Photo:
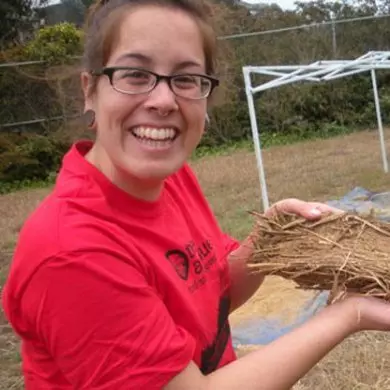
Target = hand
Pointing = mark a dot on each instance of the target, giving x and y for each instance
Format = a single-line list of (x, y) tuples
[(308, 210), (366, 313)]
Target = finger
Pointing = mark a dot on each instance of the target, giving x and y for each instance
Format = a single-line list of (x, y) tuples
[(307, 210), (324, 208), (294, 206)]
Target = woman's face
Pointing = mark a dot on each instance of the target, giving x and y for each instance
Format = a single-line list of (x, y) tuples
[(149, 136)]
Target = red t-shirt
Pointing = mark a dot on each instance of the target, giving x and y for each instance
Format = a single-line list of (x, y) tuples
[(111, 292)]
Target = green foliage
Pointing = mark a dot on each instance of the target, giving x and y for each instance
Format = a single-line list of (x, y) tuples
[(229, 124), (286, 114), (35, 92), (6, 187), (13, 17), (55, 44), (269, 139), (29, 158)]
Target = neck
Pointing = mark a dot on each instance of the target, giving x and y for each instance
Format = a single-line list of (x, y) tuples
[(148, 190)]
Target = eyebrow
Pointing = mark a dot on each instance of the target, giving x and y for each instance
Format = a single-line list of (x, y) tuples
[(147, 60)]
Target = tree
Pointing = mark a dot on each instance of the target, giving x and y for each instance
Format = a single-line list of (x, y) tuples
[(87, 3), (75, 10), (16, 16), (72, 11)]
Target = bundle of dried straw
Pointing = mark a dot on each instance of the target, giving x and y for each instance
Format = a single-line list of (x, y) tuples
[(340, 253)]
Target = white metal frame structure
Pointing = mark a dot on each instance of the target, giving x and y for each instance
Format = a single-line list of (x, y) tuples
[(316, 72)]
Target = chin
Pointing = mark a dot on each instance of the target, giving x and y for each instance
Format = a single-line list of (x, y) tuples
[(156, 171)]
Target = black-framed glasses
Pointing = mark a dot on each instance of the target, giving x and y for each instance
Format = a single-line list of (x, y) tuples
[(134, 81)]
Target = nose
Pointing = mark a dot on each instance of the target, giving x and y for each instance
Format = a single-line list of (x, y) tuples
[(162, 98)]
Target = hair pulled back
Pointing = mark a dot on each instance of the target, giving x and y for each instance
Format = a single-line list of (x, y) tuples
[(105, 16)]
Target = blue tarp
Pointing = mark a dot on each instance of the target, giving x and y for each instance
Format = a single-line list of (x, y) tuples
[(264, 330)]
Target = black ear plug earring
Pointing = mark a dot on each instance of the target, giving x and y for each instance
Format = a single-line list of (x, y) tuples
[(90, 116)]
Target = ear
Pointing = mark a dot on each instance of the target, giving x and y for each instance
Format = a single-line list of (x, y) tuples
[(87, 87)]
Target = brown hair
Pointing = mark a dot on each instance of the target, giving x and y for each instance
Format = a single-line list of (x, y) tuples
[(105, 15)]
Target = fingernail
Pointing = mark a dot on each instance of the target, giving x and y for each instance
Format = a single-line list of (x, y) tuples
[(315, 212)]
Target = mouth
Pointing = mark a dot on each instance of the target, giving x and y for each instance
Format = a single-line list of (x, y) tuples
[(158, 138)]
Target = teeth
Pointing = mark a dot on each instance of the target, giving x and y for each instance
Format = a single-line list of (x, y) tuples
[(154, 134)]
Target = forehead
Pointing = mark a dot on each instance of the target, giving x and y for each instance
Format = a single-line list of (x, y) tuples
[(161, 34)]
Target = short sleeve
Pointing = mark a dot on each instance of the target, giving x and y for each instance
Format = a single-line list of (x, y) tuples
[(104, 325), (230, 244)]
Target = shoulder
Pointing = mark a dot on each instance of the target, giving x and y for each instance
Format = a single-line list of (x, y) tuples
[(69, 225), (61, 231), (186, 182), (184, 175), (42, 264)]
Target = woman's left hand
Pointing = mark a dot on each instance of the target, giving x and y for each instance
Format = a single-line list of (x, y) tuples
[(244, 284), (307, 210)]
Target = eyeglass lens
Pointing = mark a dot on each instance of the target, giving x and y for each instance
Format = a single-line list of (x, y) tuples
[(136, 81)]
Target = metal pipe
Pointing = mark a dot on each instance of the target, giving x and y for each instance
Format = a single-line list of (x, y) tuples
[(256, 139), (379, 119)]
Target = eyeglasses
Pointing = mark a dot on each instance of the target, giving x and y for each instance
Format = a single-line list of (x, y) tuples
[(134, 81)]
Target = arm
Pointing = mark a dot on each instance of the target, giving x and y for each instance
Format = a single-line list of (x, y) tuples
[(297, 352), (243, 284), (107, 329)]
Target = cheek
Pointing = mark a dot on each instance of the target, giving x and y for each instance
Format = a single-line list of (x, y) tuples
[(112, 107), (114, 110), (196, 116)]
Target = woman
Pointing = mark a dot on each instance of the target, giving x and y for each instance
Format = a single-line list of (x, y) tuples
[(122, 278)]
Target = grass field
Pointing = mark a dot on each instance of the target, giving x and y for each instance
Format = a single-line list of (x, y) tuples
[(315, 170)]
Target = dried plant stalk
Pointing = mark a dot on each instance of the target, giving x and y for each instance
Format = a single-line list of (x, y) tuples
[(340, 253)]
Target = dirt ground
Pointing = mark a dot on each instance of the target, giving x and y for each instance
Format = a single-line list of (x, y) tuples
[(315, 170)]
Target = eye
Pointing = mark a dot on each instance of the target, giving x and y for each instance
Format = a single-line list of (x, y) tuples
[(133, 76), (187, 81)]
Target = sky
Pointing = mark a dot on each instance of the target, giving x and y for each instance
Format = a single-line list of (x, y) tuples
[(285, 4)]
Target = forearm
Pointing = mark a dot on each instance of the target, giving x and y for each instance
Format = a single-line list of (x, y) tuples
[(279, 365), (243, 283)]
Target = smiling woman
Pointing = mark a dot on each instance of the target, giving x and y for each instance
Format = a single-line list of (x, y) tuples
[(126, 65), (122, 277)]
